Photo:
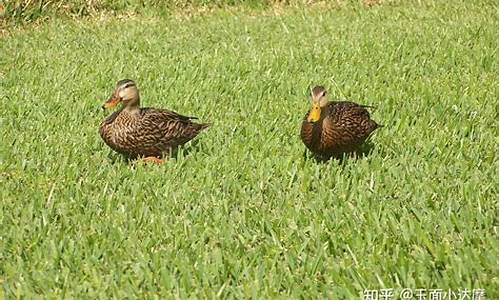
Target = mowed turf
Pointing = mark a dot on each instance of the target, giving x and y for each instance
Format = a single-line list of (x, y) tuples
[(240, 212)]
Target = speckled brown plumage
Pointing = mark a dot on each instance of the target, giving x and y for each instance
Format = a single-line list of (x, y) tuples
[(342, 127), (145, 132)]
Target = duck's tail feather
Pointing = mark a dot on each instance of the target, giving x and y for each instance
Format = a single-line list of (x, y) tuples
[(204, 125)]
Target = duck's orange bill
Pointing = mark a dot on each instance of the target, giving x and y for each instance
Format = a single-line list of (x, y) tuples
[(111, 102)]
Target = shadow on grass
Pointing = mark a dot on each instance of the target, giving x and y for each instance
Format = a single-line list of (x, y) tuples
[(175, 153), (365, 150)]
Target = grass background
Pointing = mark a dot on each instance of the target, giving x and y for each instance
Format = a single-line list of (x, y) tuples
[(240, 212)]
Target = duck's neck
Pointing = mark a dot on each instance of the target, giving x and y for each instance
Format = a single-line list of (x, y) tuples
[(132, 108)]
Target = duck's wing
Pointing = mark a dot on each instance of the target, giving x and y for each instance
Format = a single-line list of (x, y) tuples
[(348, 123), (165, 128)]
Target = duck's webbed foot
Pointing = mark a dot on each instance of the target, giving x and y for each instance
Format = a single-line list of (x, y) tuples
[(153, 159)]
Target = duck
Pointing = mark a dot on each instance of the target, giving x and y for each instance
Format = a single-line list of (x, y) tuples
[(146, 133), (332, 129)]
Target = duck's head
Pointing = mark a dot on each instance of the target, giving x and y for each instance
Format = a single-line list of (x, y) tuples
[(318, 100), (125, 91)]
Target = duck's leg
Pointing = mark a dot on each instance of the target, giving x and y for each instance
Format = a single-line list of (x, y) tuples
[(153, 159)]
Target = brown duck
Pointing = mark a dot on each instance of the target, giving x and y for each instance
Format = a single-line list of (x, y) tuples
[(332, 129), (147, 133)]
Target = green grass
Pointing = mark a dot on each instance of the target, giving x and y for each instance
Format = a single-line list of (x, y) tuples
[(15, 12), (240, 213)]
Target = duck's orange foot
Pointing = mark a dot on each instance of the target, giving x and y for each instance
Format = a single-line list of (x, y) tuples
[(153, 159)]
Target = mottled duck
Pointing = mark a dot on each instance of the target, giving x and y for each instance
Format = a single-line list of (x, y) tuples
[(334, 128), (147, 133)]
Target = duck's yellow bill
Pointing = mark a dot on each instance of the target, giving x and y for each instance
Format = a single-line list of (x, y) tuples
[(314, 112), (111, 102)]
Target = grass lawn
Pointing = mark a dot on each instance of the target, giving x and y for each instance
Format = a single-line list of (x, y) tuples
[(239, 212)]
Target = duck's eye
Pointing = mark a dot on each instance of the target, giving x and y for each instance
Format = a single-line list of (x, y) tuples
[(324, 94), (128, 85)]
